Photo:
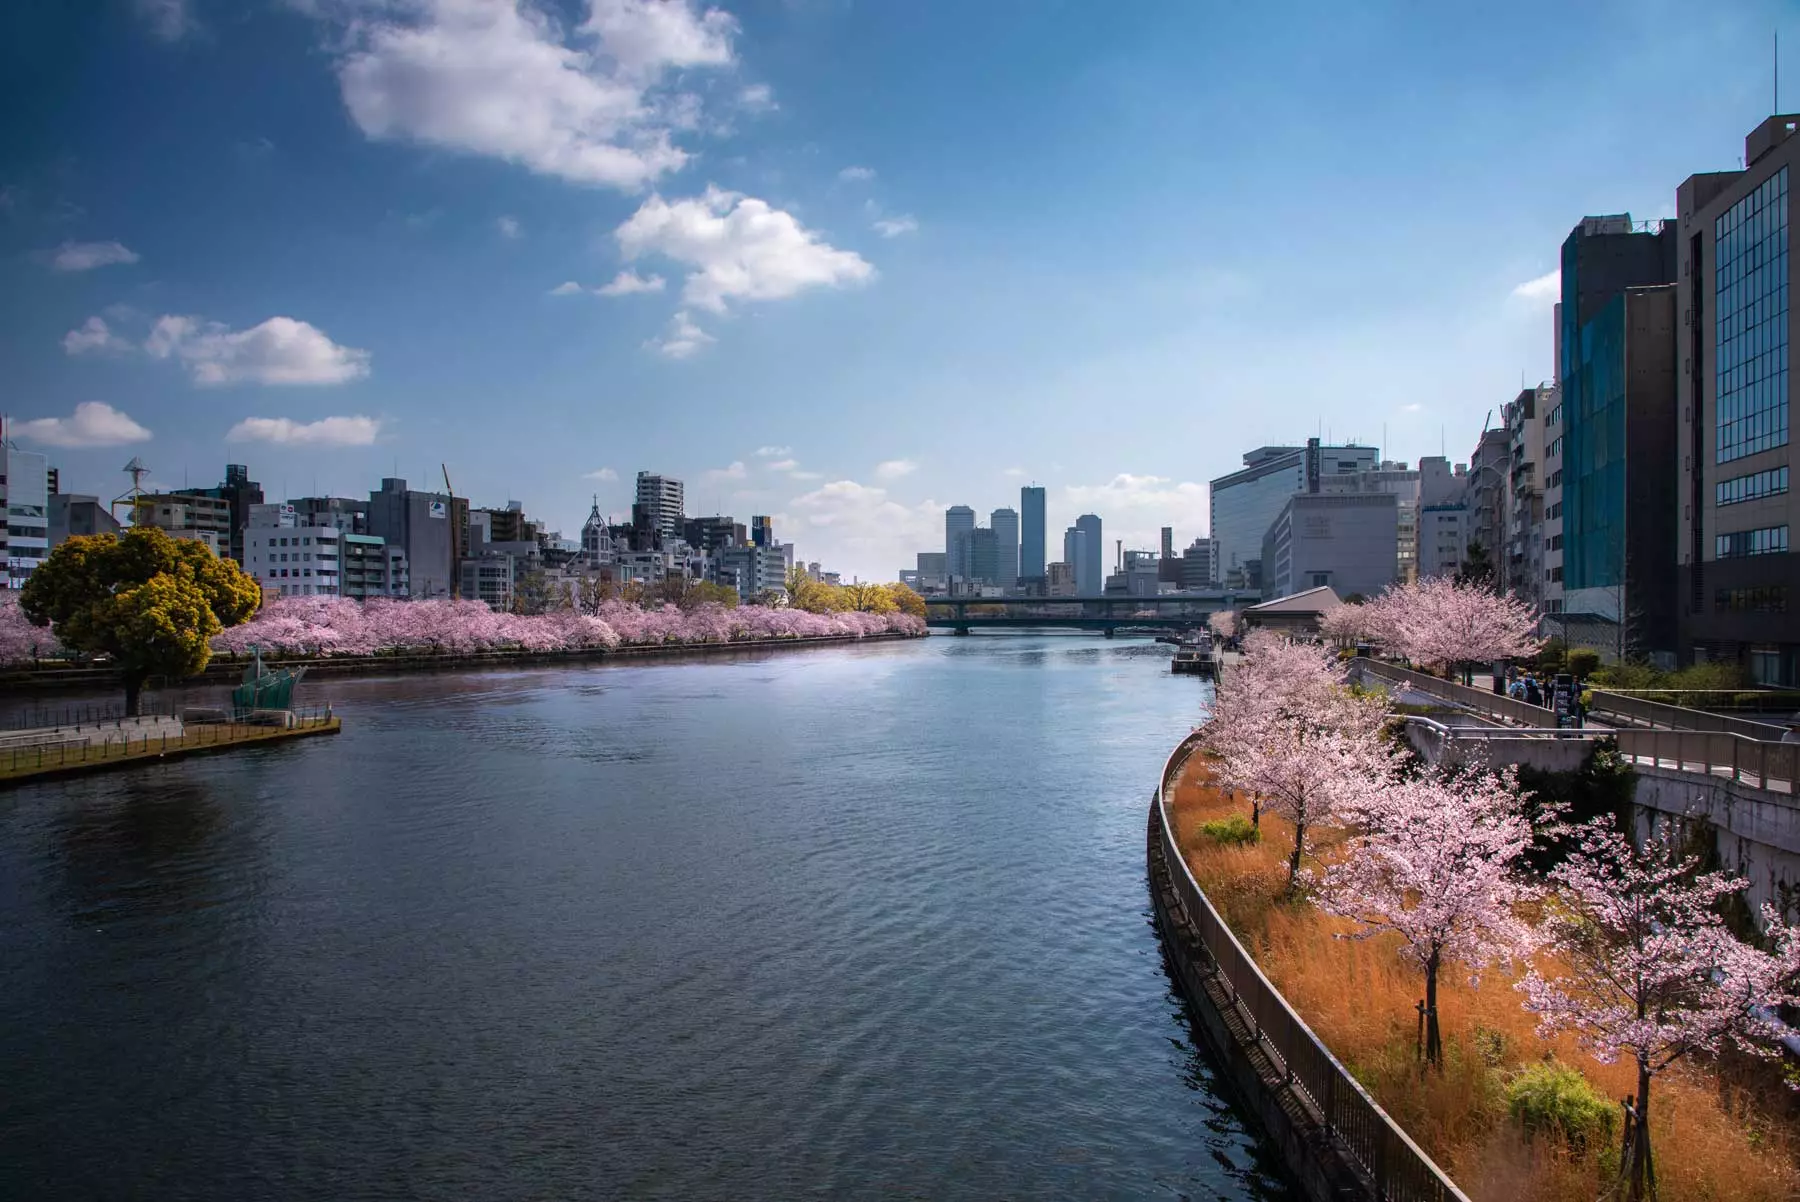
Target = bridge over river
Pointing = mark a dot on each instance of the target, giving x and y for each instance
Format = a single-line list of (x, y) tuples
[(1166, 611)]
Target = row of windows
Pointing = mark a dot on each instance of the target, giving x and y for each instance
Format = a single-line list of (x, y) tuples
[(1770, 483), (1766, 599), (284, 572), (1770, 540), (299, 541), (1751, 293)]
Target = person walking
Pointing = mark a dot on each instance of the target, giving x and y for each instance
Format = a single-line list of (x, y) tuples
[(1792, 734)]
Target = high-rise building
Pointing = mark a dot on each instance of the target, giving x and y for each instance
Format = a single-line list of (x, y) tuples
[(1490, 466), (1005, 524), (1522, 565), (289, 559), (25, 498), (713, 533), (1090, 558), (431, 530), (1059, 578), (932, 572), (762, 530), (1616, 372), (1739, 576), (959, 522), (1031, 534), (984, 555), (1197, 565), (1244, 503), (661, 502)]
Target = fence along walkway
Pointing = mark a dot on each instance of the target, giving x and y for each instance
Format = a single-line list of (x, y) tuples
[(1316, 1081), (22, 763)]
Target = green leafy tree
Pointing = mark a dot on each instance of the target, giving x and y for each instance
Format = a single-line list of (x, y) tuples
[(1477, 567), (906, 600), (150, 603)]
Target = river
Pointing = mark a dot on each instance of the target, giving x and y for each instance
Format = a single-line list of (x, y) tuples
[(849, 922)]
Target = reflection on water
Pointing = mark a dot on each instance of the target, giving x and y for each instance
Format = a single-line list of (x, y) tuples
[(864, 921)]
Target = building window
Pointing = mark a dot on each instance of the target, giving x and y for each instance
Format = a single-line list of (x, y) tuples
[(1765, 666), (1755, 486), (1750, 279), (1767, 599), (1770, 540)]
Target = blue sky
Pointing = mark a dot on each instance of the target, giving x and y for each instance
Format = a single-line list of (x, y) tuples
[(846, 263)]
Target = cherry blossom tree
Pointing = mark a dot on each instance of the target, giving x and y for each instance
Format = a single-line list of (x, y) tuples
[(1439, 621), (1436, 864), (1290, 736), (1348, 624), (1649, 971), (1224, 623), (20, 641)]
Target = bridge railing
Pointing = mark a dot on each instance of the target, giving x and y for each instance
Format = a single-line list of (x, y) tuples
[(1400, 1169), (1482, 701), (1644, 712)]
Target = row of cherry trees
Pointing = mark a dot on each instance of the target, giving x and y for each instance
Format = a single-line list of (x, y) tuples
[(1440, 622), (1641, 965), (334, 626)]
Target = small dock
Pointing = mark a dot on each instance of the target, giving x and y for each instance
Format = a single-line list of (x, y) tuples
[(29, 755), (1194, 657)]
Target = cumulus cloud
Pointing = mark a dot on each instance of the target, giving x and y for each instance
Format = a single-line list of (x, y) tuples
[(773, 452), (735, 470), (857, 175), (628, 282), (740, 248), (1135, 508), (893, 227), (1546, 289), (279, 351), (85, 256), (93, 424), (893, 469), (800, 475), (682, 339), (1015, 472), (861, 529), (509, 227), (94, 337), (325, 432), (566, 288), (504, 79), (605, 473), (784, 465)]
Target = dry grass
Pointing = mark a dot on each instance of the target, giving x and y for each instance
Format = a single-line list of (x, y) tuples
[(1715, 1139)]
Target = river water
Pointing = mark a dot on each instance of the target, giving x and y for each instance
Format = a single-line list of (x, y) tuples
[(858, 922)]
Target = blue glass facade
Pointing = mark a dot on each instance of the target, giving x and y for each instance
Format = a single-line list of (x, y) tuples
[(1594, 451), (1750, 242)]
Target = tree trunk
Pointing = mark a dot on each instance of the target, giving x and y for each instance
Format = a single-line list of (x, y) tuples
[(1639, 1169), (134, 688), (1434, 1044), (1293, 880)]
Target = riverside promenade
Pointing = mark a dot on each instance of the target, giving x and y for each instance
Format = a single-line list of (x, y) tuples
[(44, 752)]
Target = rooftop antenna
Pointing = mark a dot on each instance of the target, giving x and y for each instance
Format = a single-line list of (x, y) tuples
[(1777, 36)]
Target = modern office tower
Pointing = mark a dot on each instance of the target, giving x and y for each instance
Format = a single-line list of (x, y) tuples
[(1739, 576), (25, 498), (1031, 534), (1075, 542), (661, 502), (1197, 565), (1090, 570), (1005, 524), (1616, 371), (1168, 542), (762, 530), (959, 521), (1244, 503), (984, 555), (932, 571), (431, 530), (1349, 541), (240, 492)]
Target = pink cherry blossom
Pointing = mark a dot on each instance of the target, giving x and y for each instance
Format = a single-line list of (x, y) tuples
[(20, 641), (1436, 864), (1651, 972), (1224, 623), (1438, 621)]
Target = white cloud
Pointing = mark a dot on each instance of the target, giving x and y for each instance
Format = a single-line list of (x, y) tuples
[(857, 175), (784, 465), (93, 424), (773, 452), (740, 247), (893, 227), (1135, 508), (628, 282), (799, 475), (509, 227), (85, 256), (1414, 407), (94, 337), (682, 339), (1015, 472), (169, 20), (893, 469), (859, 529), (325, 432), (1546, 289), (758, 98), (279, 351), (605, 473), (502, 78), (566, 288), (735, 470)]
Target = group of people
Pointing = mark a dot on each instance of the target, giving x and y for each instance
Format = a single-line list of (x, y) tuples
[(1526, 687)]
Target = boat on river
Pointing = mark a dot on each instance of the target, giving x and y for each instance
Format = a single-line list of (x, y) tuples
[(1194, 656)]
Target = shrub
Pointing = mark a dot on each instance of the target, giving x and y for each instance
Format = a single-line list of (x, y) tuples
[(1583, 661), (1550, 1098), (1234, 831)]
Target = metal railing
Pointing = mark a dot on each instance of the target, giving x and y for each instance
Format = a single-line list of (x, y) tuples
[(85, 714), (1400, 1169), (1482, 701), (52, 757), (1653, 714), (1756, 762)]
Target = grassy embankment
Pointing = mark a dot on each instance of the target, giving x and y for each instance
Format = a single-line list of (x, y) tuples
[(1716, 1139)]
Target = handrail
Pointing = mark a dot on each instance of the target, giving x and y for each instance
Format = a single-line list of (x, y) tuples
[(1498, 705), (1401, 1170), (1680, 717)]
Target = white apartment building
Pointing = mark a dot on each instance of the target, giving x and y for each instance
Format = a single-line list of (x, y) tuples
[(290, 560), (25, 493)]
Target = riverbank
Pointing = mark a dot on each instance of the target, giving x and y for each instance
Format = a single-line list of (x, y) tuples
[(1717, 1139), (228, 668), (43, 761)]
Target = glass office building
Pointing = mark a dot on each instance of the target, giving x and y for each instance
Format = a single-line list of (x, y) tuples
[(1750, 303), (1245, 503)]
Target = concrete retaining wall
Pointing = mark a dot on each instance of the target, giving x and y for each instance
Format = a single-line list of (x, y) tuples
[(1757, 832)]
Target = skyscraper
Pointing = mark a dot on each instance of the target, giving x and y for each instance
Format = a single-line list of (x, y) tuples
[(1075, 542), (1090, 571), (661, 501), (959, 521), (1005, 524), (1031, 533), (1244, 503), (984, 555)]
